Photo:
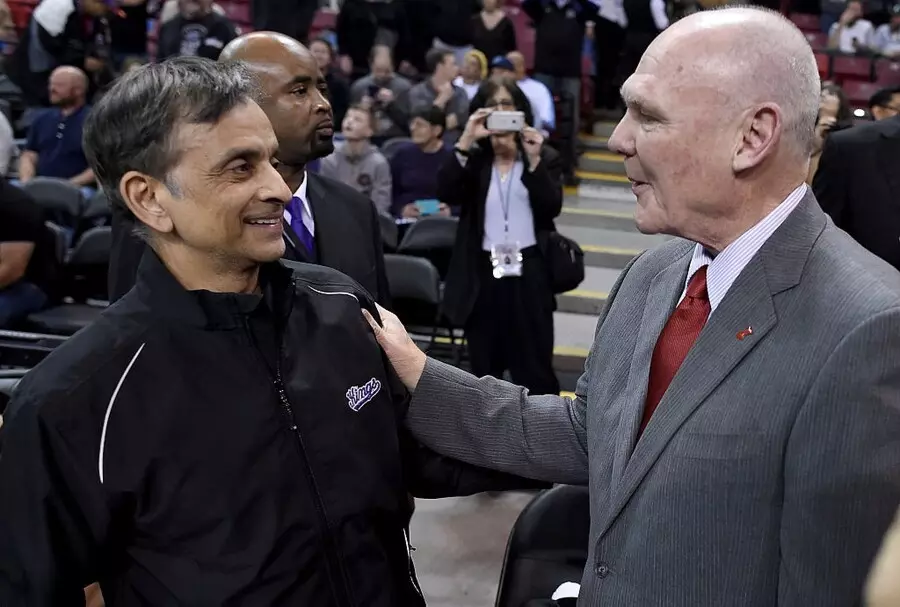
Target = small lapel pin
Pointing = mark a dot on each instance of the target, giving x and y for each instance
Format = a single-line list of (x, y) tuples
[(744, 333)]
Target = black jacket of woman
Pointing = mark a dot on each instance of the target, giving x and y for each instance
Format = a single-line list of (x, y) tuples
[(467, 187)]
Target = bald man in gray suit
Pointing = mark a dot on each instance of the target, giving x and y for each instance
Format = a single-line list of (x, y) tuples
[(738, 419)]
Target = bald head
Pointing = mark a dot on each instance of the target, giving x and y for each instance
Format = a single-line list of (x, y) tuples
[(518, 61), (261, 48), (293, 93), (67, 86), (751, 56)]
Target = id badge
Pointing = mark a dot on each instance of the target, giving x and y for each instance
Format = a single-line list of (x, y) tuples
[(506, 260)]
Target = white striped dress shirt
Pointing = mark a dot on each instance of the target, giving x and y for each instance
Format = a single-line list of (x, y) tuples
[(725, 267)]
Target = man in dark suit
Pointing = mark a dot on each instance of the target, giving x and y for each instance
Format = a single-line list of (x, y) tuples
[(327, 222), (858, 184)]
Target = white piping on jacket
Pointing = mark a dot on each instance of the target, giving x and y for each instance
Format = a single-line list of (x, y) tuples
[(333, 293), (109, 409)]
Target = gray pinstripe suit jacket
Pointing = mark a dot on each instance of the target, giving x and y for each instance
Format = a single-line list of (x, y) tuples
[(770, 470)]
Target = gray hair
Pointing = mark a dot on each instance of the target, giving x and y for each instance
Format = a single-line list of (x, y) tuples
[(133, 126)]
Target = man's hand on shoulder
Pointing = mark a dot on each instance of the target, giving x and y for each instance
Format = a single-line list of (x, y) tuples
[(405, 356)]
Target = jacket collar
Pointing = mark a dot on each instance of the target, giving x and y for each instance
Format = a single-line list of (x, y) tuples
[(158, 289)]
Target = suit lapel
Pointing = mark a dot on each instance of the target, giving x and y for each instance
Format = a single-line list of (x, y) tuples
[(662, 296), (293, 248), (890, 155), (329, 226), (718, 350)]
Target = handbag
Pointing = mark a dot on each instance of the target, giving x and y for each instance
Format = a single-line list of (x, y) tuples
[(565, 262)]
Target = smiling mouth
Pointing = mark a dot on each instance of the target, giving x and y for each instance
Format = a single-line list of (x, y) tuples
[(264, 221)]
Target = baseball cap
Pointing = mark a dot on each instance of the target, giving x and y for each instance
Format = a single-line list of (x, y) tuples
[(503, 63)]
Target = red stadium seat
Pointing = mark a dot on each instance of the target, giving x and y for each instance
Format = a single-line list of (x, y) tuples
[(817, 40), (325, 19), (858, 92), (239, 12), (823, 60), (525, 35), (887, 72), (807, 23), (845, 68)]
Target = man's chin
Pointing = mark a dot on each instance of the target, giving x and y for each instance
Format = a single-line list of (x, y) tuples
[(324, 147)]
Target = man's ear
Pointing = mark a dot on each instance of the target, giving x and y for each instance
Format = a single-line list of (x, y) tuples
[(761, 132), (143, 195)]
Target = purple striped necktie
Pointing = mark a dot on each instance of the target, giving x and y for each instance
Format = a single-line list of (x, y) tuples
[(297, 211)]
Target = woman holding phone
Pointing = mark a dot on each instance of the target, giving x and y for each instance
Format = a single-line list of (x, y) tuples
[(508, 186)]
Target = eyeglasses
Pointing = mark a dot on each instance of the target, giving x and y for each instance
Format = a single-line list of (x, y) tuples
[(501, 103)]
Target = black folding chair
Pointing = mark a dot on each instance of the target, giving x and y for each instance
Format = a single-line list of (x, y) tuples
[(416, 300), (389, 232), (432, 238), (85, 279), (61, 200), (548, 546)]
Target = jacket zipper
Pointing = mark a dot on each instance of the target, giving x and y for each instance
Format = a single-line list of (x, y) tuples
[(409, 565), (332, 558)]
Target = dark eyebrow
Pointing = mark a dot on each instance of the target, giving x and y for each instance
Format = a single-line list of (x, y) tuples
[(303, 79), (250, 154)]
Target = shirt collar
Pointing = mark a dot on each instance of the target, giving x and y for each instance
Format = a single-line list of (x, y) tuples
[(725, 267), (301, 194)]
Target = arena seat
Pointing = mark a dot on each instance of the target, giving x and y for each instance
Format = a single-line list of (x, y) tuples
[(858, 92), (845, 68), (548, 546), (432, 238), (525, 35), (806, 22), (390, 147), (84, 278), (817, 40), (887, 72), (61, 200)]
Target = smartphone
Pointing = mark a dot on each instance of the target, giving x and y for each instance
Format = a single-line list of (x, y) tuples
[(512, 122), (373, 90), (428, 207)]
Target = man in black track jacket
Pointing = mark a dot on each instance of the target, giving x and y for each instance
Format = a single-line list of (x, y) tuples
[(228, 433)]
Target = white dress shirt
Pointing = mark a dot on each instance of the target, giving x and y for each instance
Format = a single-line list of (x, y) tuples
[(725, 267), (519, 214), (308, 220), (541, 103)]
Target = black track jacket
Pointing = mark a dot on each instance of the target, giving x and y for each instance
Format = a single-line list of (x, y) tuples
[(201, 449)]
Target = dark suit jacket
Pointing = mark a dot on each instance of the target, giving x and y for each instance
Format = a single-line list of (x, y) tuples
[(858, 184), (467, 188), (348, 239)]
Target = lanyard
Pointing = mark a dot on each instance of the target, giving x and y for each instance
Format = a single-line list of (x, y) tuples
[(504, 198)]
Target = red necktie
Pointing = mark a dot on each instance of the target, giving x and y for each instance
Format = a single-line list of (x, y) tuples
[(675, 341)]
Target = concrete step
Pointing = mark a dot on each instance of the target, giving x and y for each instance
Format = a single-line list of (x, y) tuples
[(597, 218), (618, 241), (593, 142), (604, 129), (602, 162), (591, 294), (598, 178)]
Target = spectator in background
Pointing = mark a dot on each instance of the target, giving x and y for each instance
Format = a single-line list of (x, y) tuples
[(835, 114), (127, 24), (474, 70), (364, 24), (338, 87), (415, 166), (27, 266), (384, 93), (452, 26), (559, 44), (53, 148), (493, 33), (7, 144), (197, 31), (502, 68), (508, 187), (885, 103), (170, 10), (857, 184), (358, 163), (55, 37), (292, 18), (437, 90), (609, 36), (644, 20), (852, 33), (537, 92), (886, 40)]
